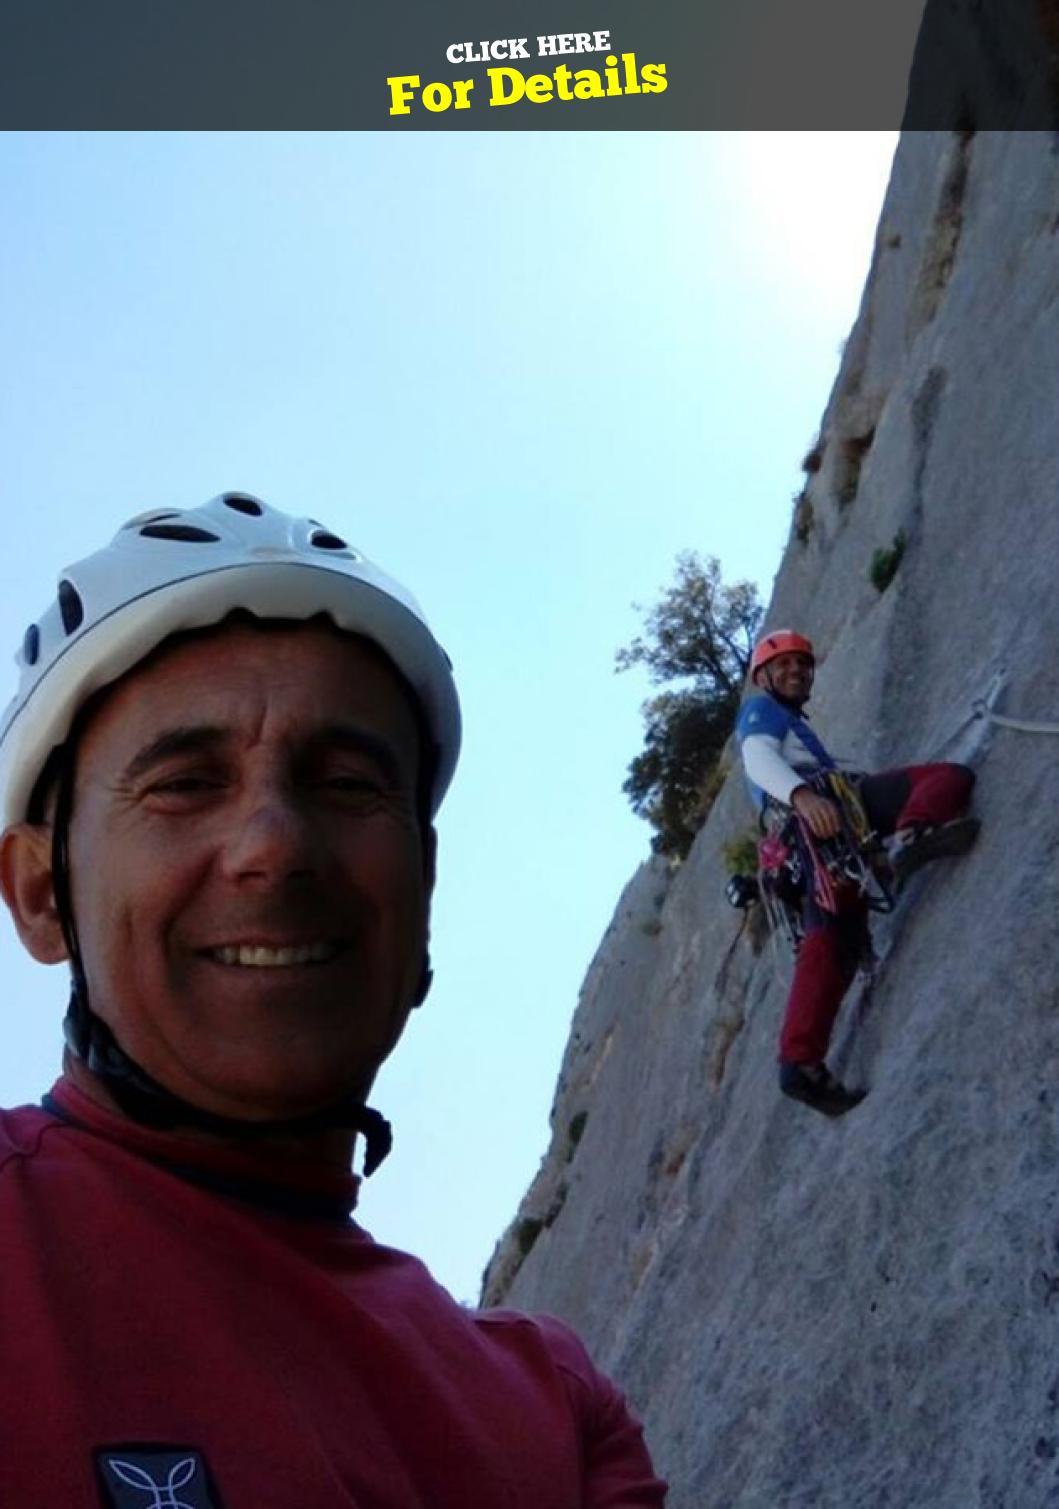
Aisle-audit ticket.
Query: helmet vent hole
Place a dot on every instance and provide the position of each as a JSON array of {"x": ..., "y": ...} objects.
[
  {"x": 243, "y": 504},
  {"x": 187, "y": 534},
  {"x": 71, "y": 608},
  {"x": 31, "y": 645},
  {"x": 153, "y": 516},
  {"x": 323, "y": 539}
]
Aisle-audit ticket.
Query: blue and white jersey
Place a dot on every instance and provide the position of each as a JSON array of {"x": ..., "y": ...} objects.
[{"x": 778, "y": 747}]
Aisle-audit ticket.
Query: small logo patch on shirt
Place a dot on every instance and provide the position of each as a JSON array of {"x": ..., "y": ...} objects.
[{"x": 149, "y": 1476}]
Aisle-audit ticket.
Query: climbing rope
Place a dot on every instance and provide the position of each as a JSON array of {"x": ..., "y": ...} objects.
[{"x": 979, "y": 709}]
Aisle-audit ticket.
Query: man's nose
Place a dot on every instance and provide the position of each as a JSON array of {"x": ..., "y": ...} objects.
[{"x": 271, "y": 839}]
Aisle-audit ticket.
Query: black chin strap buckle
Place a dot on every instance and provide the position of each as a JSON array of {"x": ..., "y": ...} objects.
[{"x": 378, "y": 1137}]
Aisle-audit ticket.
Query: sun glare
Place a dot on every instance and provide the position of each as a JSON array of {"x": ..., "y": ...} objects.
[{"x": 811, "y": 201}]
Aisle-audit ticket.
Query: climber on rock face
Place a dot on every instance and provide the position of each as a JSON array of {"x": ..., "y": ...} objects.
[{"x": 919, "y": 809}]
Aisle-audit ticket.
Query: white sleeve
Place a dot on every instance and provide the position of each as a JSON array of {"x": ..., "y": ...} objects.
[{"x": 767, "y": 768}]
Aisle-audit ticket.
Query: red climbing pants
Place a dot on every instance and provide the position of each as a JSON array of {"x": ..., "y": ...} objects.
[{"x": 833, "y": 943}]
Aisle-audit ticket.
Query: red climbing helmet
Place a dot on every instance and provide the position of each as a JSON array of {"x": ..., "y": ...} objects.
[{"x": 780, "y": 642}]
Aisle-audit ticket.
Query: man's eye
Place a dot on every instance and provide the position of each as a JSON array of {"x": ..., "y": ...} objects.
[
  {"x": 178, "y": 785},
  {"x": 368, "y": 785}
]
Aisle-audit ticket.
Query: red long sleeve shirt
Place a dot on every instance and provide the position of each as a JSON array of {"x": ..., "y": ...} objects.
[{"x": 177, "y": 1335}]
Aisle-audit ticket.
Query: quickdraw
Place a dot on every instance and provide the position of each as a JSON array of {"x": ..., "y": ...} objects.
[{"x": 781, "y": 887}]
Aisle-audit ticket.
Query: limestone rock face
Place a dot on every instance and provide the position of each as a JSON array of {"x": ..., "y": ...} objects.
[{"x": 862, "y": 1312}]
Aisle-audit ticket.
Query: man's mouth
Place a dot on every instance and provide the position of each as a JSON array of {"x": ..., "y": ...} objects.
[{"x": 257, "y": 956}]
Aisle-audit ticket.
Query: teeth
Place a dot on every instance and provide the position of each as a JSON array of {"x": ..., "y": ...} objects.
[{"x": 271, "y": 958}]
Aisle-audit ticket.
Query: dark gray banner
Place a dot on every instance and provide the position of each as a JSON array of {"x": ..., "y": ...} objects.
[{"x": 588, "y": 65}]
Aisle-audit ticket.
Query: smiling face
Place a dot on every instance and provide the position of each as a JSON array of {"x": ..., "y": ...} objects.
[
  {"x": 790, "y": 676},
  {"x": 250, "y": 882}
]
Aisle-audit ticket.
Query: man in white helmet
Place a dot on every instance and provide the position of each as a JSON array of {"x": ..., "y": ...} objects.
[{"x": 219, "y": 774}]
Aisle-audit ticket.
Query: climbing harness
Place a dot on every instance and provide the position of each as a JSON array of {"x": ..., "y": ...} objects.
[
  {"x": 791, "y": 859},
  {"x": 853, "y": 857}
]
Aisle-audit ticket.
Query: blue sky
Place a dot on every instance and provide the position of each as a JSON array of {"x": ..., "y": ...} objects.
[{"x": 521, "y": 372}]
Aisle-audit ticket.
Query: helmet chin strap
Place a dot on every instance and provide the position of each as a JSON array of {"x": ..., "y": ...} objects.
[{"x": 136, "y": 1092}]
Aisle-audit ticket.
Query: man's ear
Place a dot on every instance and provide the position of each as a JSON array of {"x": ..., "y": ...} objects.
[
  {"x": 25, "y": 883},
  {"x": 430, "y": 856}
]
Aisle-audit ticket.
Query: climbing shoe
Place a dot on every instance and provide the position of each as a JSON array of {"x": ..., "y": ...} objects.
[
  {"x": 913, "y": 847},
  {"x": 816, "y": 1086}
]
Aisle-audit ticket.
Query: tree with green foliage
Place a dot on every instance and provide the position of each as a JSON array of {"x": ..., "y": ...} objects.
[{"x": 700, "y": 633}]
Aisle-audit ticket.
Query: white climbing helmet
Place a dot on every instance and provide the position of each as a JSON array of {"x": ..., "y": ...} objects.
[{"x": 175, "y": 569}]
